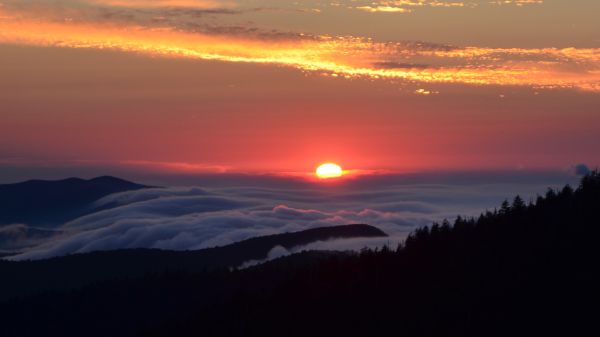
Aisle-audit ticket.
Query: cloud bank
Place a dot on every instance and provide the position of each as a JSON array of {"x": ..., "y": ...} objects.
[{"x": 185, "y": 218}]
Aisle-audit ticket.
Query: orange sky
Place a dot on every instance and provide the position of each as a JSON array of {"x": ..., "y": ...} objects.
[{"x": 271, "y": 87}]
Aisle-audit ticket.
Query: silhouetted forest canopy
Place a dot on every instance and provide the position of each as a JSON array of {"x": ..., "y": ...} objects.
[{"x": 527, "y": 268}]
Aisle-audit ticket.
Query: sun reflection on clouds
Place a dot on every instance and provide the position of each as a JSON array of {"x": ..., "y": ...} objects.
[
  {"x": 407, "y": 6},
  {"x": 345, "y": 56},
  {"x": 387, "y": 9},
  {"x": 518, "y": 3}
]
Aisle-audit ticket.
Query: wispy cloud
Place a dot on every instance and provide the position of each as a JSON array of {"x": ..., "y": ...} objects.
[
  {"x": 407, "y": 6},
  {"x": 166, "y": 3},
  {"x": 386, "y": 9},
  {"x": 178, "y": 33},
  {"x": 176, "y": 167},
  {"x": 518, "y": 3}
]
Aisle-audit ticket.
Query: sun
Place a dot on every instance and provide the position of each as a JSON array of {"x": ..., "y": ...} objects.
[{"x": 329, "y": 170}]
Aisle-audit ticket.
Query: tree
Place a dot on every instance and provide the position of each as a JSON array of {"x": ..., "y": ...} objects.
[
  {"x": 505, "y": 207},
  {"x": 518, "y": 204}
]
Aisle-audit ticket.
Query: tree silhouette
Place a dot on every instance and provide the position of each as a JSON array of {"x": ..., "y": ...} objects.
[
  {"x": 518, "y": 204},
  {"x": 504, "y": 207}
]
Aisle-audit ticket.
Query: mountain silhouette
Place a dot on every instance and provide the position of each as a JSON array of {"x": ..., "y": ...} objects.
[
  {"x": 45, "y": 203},
  {"x": 68, "y": 272}
]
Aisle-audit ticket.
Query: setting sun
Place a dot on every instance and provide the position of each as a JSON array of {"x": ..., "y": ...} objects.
[{"x": 329, "y": 170}]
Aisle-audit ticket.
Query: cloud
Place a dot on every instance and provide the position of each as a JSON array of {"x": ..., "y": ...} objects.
[
  {"x": 149, "y": 204},
  {"x": 165, "y": 3},
  {"x": 17, "y": 237},
  {"x": 582, "y": 169},
  {"x": 400, "y": 65},
  {"x": 518, "y": 3},
  {"x": 385, "y": 9},
  {"x": 275, "y": 253},
  {"x": 354, "y": 244},
  {"x": 189, "y": 33},
  {"x": 185, "y": 218},
  {"x": 407, "y": 6},
  {"x": 154, "y": 14}
]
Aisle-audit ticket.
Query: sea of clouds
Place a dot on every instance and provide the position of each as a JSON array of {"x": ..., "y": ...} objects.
[{"x": 220, "y": 212}]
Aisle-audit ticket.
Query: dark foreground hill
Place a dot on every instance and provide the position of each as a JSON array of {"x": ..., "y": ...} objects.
[
  {"x": 74, "y": 271},
  {"x": 48, "y": 203},
  {"x": 523, "y": 270}
]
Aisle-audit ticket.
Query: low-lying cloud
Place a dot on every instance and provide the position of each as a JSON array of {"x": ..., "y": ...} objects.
[{"x": 186, "y": 218}]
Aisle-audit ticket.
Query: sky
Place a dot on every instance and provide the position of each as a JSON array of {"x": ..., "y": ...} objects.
[
  {"x": 278, "y": 87},
  {"x": 433, "y": 109}
]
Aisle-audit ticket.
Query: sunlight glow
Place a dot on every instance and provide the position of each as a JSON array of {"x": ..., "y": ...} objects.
[{"x": 329, "y": 170}]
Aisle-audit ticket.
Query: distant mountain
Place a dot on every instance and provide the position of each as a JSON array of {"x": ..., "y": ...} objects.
[
  {"x": 48, "y": 203},
  {"x": 67, "y": 272}
]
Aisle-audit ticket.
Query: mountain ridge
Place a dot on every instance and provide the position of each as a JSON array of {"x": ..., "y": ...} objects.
[
  {"x": 47, "y": 203},
  {"x": 73, "y": 271}
]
